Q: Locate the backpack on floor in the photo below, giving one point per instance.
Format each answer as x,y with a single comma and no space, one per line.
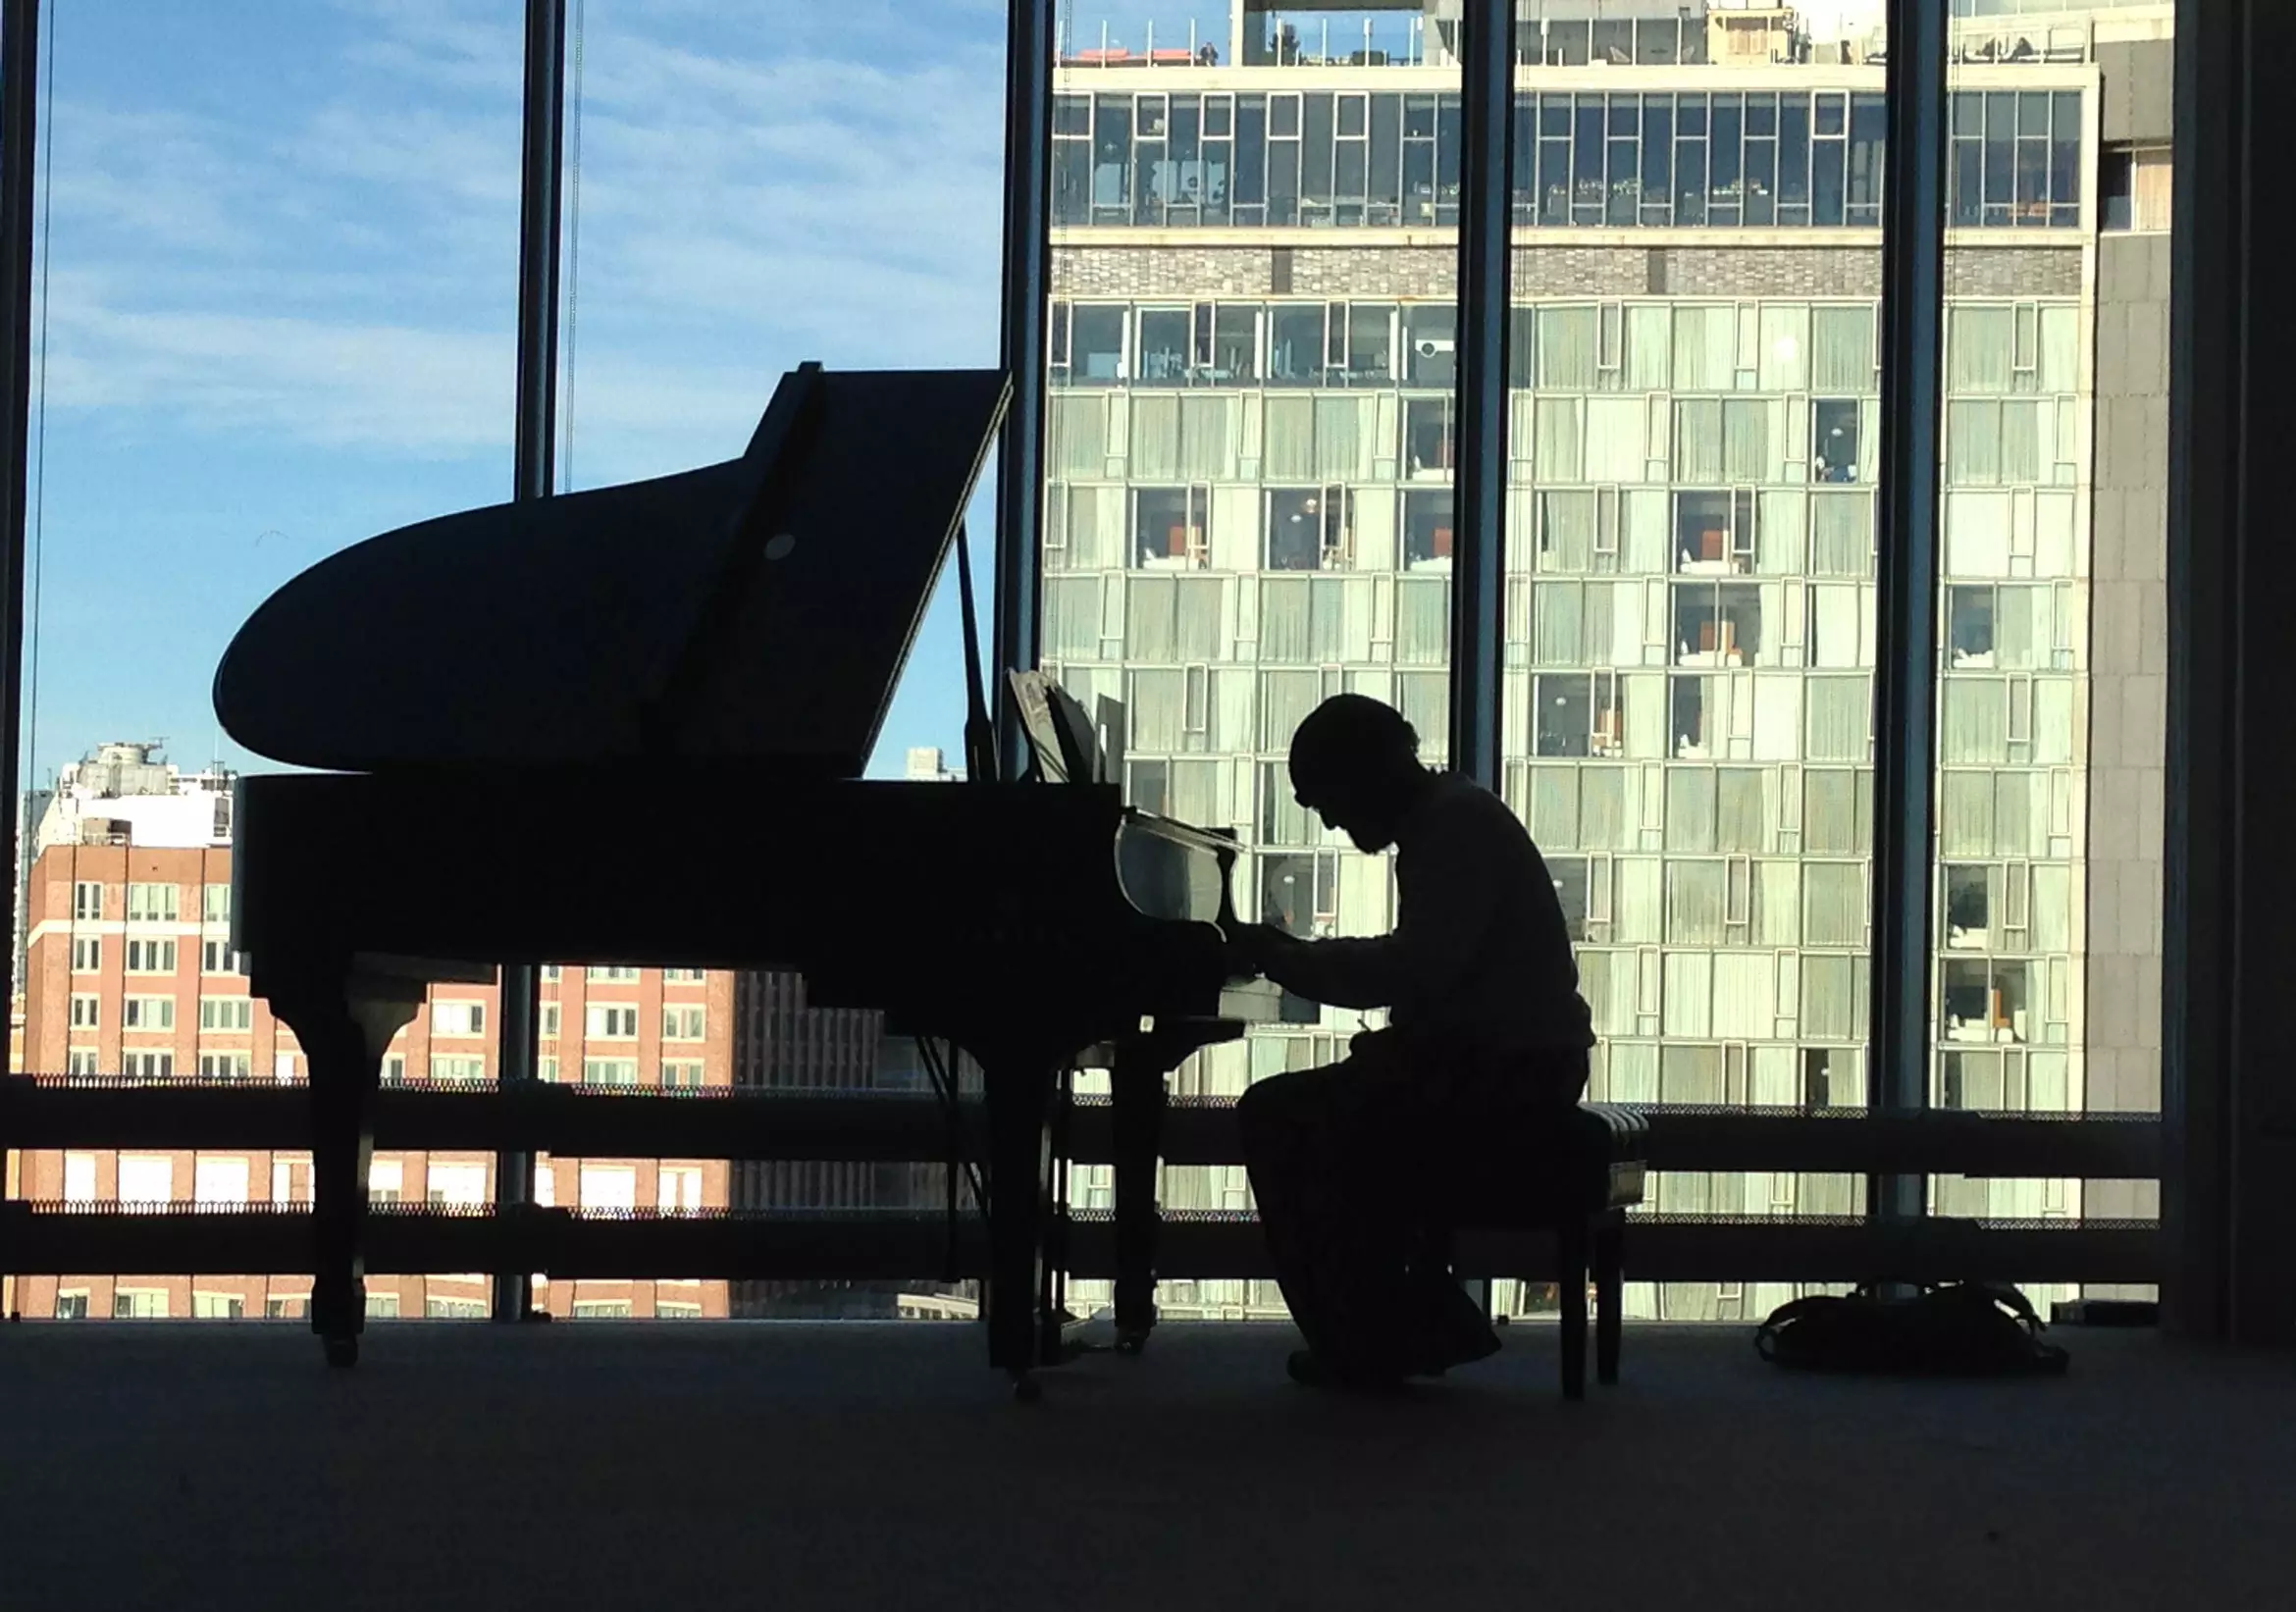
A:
1952,1329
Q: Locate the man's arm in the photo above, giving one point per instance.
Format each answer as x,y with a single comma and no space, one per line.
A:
1442,923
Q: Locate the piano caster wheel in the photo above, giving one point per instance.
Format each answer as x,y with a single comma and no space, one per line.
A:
342,1351
1026,1391
1131,1343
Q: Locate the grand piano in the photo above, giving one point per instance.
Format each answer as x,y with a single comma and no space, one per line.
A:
510,714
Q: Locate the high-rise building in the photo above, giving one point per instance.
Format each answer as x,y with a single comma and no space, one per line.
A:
1249,470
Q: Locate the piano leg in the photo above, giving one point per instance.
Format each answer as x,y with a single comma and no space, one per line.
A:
1136,1086
1020,1090
343,1030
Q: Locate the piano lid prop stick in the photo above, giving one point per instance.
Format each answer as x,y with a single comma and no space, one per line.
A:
981,738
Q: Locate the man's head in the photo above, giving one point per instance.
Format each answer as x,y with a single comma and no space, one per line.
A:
1356,764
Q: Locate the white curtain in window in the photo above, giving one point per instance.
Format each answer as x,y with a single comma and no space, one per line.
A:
1285,699
2021,443
1148,618
1232,708
1327,619
1781,532
1285,636
1072,617
1829,814
1745,993
1199,605
1208,438
2060,349
1749,441
2051,907
1566,348
1289,449
1644,695
1834,624
609,1187
1841,534
1608,980
1553,815
1705,349
1972,442
1977,534
1643,522
2022,623
1076,435
146,1178
1096,527
1976,721
1981,347
2053,721
1839,713
1694,904
2020,814
1157,709
1602,807
1834,910
1785,355
1841,347
1634,1064
1688,1001
1828,1004
1698,442
1964,814
1198,794
1374,512
1639,916
1363,894
1343,439
1650,347
1777,904
220,1181
1156,453
1424,699
1617,445
1561,455
1741,825
1566,532
1557,639
1690,808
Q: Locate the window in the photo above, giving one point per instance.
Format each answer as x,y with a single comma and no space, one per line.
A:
383,1306
679,1188
87,1012
290,1182
553,973
682,1075
1834,439
609,1187
215,957
676,1310
151,902
87,899
602,1309
282,1067
439,1307
611,1022
684,976
80,1061
458,1018
459,1068
146,1178
147,1013
80,1178
227,1013
1170,528
394,1070
459,1185
220,1179
152,956
72,1306
140,1304
88,955
680,1023
225,1065
610,1071
386,1180
611,973
1427,530
2135,185
549,1019
148,1065
215,903
284,1307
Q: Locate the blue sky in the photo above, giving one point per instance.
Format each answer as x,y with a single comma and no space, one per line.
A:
281,257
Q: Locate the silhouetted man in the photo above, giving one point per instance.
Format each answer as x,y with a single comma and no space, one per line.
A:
1486,1048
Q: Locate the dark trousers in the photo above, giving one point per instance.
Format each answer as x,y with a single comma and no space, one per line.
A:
1352,1165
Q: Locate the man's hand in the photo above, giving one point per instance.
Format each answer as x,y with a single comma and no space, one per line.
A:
1251,947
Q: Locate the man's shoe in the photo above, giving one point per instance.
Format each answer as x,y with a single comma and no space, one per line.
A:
1312,1371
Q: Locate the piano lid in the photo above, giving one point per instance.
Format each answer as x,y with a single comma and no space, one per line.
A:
757,610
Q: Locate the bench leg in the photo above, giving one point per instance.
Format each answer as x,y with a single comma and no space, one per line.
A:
1571,1288
1609,1296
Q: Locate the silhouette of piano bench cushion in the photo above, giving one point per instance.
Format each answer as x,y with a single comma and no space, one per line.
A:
1575,1180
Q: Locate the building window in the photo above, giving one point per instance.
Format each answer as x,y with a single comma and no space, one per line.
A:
611,973
148,1065
225,1012
281,1307
1170,527
386,1180
461,1066
147,1013
146,1178
87,1012
609,1187
458,1018
2136,185
220,1179
552,971
225,1067
682,1074
676,1310
152,956
394,1070
88,955
610,1071
72,1306
457,1185
383,1306
215,957
601,1310
452,1309
140,1304
151,902
680,1023
545,1068
88,902
215,903
550,1018
679,1188
684,976
611,1022
80,1061
80,1178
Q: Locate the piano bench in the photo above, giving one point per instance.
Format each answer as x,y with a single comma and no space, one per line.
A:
1579,1189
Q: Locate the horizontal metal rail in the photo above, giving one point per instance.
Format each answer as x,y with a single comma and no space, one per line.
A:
577,1121
864,1245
